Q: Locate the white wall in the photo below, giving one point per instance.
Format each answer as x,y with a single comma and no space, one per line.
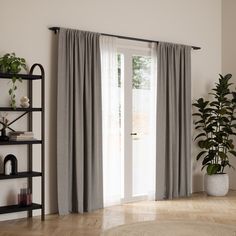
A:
229,54
24,30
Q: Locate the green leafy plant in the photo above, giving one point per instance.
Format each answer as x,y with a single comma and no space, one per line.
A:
9,63
4,121
216,124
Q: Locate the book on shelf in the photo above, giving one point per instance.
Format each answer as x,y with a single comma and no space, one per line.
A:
21,135
22,138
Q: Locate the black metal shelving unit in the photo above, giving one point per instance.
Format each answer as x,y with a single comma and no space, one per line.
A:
29,174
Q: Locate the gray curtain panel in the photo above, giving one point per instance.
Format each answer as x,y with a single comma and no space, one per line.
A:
79,122
173,163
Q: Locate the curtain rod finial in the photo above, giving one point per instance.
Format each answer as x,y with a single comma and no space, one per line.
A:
195,48
54,29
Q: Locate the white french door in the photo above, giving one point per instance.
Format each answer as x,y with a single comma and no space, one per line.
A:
137,123
128,122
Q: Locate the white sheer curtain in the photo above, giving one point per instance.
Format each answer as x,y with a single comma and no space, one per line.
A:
152,160
144,123
111,122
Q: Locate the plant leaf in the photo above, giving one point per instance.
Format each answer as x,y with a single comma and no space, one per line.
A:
14,79
204,166
199,126
201,143
200,135
196,114
200,121
213,169
206,160
200,154
233,152
223,156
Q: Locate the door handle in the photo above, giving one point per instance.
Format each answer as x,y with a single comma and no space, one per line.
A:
133,134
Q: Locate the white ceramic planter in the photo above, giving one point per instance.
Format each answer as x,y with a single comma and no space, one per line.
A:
216,185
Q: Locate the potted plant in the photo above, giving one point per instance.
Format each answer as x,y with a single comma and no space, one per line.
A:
4,122
11,64
217,125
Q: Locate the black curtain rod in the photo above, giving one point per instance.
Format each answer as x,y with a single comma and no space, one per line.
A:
56,29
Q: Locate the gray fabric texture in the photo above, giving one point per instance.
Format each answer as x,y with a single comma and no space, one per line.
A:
79,122
173,163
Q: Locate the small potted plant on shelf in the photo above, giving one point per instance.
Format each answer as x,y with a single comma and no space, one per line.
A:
4,122
11,64
217,126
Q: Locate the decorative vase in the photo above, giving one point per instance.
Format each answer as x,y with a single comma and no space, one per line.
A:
3,136
13,163
24,197
216,185
24,102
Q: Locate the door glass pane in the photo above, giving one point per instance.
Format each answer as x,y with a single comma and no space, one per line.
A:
142,125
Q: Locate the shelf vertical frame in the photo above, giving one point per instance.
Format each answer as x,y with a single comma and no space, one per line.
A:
30,147
43,143
42,135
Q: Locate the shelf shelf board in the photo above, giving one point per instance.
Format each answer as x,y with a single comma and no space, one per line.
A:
20,109
17,208
20,142
21,175
22,76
